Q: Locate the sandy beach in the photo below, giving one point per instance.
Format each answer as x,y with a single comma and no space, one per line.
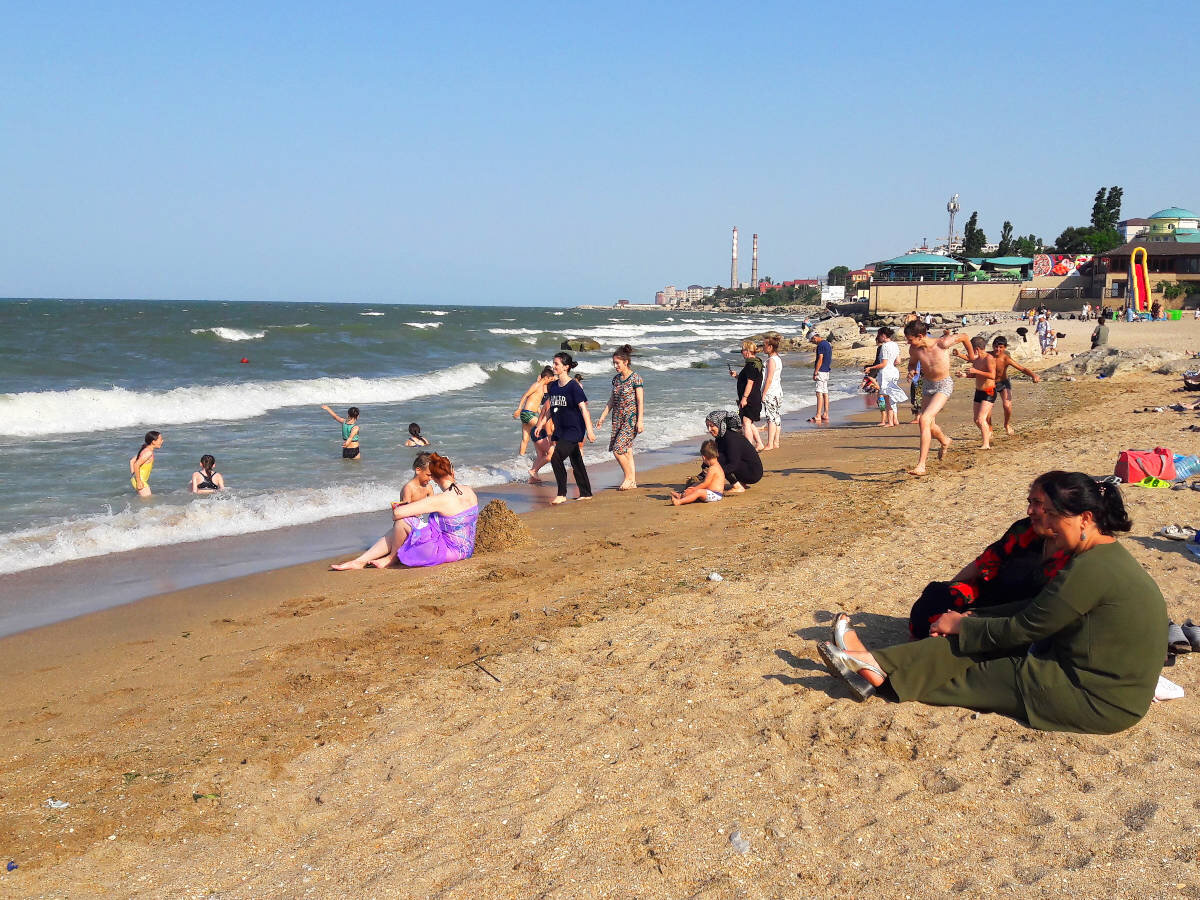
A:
590,716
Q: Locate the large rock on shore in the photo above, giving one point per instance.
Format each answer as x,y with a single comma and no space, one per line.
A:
1018,348
580,344
1108,361
786,344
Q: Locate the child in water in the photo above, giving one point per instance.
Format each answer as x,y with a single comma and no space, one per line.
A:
414,437
350,433
711,487
208,479
143,463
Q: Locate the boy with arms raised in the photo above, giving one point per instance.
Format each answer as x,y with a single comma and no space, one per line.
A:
1003,383
934,356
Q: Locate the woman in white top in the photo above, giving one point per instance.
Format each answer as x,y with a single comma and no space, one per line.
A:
889,376
772,391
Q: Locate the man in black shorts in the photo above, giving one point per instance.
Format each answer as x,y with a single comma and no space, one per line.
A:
983,369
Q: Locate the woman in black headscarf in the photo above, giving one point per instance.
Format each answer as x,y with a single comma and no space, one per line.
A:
737,456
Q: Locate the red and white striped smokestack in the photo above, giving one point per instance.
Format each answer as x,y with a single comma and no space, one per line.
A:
754,264
733,266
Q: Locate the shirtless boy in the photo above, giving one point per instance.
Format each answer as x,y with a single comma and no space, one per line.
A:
983,369
1003,383
934,356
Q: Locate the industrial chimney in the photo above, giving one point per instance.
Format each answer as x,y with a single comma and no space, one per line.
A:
733,282
754,264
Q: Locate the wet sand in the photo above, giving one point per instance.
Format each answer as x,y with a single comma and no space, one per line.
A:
590,716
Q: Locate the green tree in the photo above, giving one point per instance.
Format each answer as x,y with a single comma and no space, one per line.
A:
1106,208
1101,240
1030,245
839,275
973,236
1072,240
1005,247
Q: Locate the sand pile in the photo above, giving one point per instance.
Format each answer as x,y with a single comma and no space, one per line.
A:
500,528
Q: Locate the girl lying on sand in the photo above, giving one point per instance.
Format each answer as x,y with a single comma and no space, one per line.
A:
712,485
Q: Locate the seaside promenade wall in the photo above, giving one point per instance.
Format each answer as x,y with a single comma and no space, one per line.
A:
943,296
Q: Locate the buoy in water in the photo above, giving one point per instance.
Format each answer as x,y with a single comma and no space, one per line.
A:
245,360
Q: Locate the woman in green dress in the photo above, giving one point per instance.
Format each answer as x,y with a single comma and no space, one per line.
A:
1084,655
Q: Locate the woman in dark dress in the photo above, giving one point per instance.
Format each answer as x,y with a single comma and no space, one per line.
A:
737,456
749,391
566,407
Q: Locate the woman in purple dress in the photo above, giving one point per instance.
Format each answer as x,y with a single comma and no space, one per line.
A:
449,536
626,405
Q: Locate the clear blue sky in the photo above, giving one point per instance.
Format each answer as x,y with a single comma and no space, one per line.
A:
550,154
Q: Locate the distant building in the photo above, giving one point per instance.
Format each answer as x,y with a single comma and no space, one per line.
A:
1131,228
1166,222
862,275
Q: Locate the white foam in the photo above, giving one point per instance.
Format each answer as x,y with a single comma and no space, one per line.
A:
519,366
92,409
516,331
424,324
372,314
436,312
528,340
231,334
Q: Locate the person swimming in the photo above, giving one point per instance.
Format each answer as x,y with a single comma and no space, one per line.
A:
142,464
207,479
414,436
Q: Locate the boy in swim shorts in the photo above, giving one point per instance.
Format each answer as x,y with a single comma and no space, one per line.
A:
983,369
1003,382
712,487
933,355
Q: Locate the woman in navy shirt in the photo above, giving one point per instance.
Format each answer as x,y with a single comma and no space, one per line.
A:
566,405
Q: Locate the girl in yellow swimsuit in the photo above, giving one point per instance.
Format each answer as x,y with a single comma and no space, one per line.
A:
143,463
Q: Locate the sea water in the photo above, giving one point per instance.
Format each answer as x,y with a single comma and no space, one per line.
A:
81,381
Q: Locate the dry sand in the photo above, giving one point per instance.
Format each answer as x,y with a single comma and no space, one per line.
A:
588,716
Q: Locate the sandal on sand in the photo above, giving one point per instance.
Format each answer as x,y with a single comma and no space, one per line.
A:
846,667
1108,479
841,622
1177,533
1191,631
1177,641
1151,482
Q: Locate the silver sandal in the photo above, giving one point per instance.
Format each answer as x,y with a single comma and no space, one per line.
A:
837,635
846,667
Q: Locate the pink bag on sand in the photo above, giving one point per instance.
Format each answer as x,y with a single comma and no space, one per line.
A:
1134,465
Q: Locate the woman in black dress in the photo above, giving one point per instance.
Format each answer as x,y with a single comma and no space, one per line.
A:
737,456
749,389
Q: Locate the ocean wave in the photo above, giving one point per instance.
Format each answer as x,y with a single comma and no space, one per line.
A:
231,334
424,324
92,409
436,312
372,314
528,340
517,331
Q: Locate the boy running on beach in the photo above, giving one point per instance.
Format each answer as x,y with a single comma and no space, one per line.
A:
933,355
712,487
983,369
1003,384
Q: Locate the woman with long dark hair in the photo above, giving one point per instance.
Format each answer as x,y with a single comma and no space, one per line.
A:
206,479
142,463
566,407
626,404
1083,655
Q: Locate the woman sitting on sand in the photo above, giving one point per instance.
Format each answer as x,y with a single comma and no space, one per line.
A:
448,537
738,458
1083,655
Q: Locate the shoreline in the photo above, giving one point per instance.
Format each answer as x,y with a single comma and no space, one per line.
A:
90,584
592,713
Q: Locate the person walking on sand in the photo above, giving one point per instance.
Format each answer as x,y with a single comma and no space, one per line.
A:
772,392
529,405
350,432
983,369
626,404
142,463
1003,383
889,376
749,391
207,479
822,366
566,407
933,355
